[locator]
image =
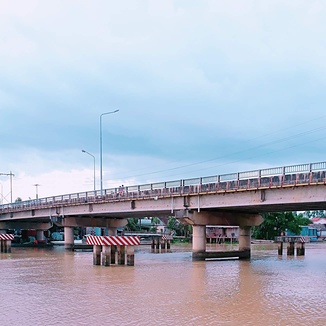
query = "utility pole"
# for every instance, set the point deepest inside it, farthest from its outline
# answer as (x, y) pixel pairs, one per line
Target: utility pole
(10, 175)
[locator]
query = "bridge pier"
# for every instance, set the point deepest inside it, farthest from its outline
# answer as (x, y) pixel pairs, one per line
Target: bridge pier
(40, 237)
(245, 241)
(293, 242)
(198, 241)
(102, 249)
(69, 237)
(96, 255)
(199, 220)
(5, 242)
(106, 255)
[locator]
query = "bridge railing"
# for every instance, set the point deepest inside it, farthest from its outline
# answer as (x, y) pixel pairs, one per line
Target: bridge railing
(293, 175)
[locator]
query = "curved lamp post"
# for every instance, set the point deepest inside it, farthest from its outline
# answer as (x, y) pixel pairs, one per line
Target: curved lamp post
(94, 166)
(101, 158)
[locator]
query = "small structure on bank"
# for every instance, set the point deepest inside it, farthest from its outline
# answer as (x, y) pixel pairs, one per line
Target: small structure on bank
(111, 250)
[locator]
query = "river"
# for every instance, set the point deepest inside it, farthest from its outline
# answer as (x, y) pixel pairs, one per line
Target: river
(58, 287)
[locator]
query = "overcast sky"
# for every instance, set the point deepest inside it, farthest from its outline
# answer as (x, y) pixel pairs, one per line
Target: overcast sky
(202, 87)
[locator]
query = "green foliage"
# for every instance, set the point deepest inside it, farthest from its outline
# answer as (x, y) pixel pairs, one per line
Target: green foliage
(277, 223)
(311, 214)
(179, 228)
(132, 224)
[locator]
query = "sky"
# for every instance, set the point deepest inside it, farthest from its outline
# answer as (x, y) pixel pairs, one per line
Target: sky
(203, 87)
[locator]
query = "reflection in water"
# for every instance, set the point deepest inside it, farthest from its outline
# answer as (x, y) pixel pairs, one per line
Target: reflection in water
(55, 287)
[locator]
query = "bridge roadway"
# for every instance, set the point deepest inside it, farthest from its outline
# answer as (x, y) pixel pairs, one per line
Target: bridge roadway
(229, 199)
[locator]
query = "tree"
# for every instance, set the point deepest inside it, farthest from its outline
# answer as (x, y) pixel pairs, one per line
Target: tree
(276, 223)
(179, 228)
(155, 221)
(132, 224)
(311, 214)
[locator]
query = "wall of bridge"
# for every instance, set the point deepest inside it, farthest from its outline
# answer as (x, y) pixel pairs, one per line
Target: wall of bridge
(297, 198)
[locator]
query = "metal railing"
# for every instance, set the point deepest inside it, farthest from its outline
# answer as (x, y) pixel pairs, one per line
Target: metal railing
(312, 173)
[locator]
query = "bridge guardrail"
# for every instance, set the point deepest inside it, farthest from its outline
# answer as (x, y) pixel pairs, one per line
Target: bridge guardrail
(250, 180)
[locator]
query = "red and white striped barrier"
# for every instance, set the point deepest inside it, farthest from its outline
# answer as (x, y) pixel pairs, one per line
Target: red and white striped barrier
(4, 236)
(167, 237)
(113, 240)
(121, 241)
(94, 240)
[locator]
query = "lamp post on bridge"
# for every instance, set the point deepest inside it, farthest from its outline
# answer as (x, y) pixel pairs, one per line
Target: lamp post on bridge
(94, 166)
(36, 190)
(101, 158)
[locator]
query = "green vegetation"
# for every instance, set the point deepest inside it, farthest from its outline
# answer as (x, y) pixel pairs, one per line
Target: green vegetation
(179, 228)
(277, 223)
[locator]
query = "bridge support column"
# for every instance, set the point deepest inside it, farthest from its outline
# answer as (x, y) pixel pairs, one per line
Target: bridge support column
(245, 241)
(280, 248)
(5, 246)
(40, 237)
(199, 220)
(69, 237)
(112, 231)
(96, 255)
(290, 249)
(121, 255)
(114, 254)
(106, 255)
(198, 241)
(130, 255)
(300, 249)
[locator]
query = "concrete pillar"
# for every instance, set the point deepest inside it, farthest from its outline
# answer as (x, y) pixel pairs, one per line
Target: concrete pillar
(5, 245)
(96, 255)
(121, 255)
(69, 237)
(280, 248)
(106, 255)
(40, 236)
(157, 245)
(300, 249)
(245, 240)
(8, 245)
(290, 249)
(114, 254)
(153, 244)
(130, 255)
(199, 239)
(168, 245)
(163, 242)
(112, 231)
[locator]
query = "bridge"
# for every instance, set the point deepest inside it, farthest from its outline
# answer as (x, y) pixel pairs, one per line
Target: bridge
(227, 199)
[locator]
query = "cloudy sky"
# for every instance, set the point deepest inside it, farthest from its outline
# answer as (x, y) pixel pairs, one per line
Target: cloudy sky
(203, 87)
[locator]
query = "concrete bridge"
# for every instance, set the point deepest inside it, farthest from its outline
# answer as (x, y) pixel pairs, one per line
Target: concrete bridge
(228, 199)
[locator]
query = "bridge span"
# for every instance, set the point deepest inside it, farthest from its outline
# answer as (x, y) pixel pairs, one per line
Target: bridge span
(228, 199)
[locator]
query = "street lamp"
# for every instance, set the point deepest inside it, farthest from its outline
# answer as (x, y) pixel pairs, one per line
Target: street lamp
(101, 169)
(94, 166)
(36, 189)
